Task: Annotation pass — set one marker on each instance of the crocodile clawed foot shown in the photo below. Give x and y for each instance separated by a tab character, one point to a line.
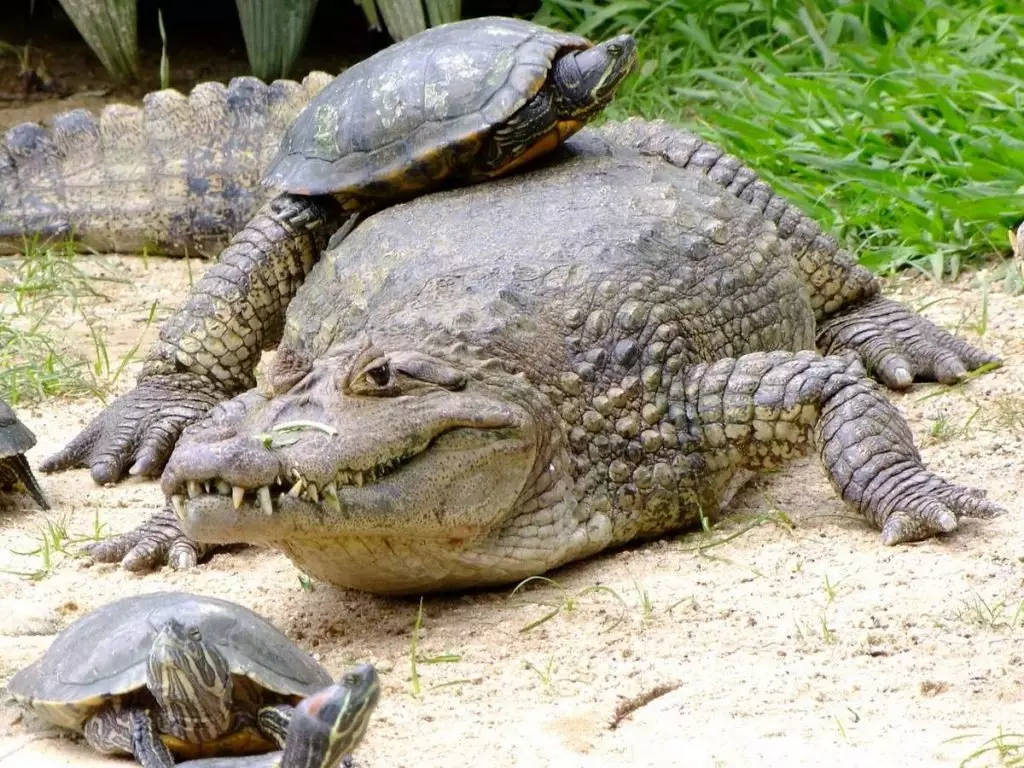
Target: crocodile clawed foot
157	541
935	508
136	433
898	346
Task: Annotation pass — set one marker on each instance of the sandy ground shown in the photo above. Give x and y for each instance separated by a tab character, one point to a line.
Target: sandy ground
797	641
791	637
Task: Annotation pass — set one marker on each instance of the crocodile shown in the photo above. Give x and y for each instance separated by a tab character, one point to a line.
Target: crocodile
482	384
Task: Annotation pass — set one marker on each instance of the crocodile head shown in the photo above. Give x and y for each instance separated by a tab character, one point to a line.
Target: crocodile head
377	470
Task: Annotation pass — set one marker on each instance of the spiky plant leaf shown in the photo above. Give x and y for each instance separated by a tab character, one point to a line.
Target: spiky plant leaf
110	29
274	32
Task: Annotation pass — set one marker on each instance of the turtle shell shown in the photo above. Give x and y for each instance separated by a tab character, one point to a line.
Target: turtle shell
411	114
103	654
15	437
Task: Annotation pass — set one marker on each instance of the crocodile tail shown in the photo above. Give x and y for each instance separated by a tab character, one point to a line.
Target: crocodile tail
178	175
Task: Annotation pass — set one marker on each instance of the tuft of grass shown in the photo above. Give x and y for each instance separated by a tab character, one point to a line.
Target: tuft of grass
897	124
567	602
43	294
55	544
1006	749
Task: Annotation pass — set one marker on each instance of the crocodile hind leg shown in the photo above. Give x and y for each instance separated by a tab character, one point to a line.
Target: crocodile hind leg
114	730
757	410
896	345
209	348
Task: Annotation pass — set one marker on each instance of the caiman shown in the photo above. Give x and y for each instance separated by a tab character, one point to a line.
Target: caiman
483	383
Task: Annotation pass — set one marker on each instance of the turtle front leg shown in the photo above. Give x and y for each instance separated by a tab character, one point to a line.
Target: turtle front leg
114	730
273	722
755	411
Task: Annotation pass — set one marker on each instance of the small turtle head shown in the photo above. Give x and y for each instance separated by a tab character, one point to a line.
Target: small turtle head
599	71
329	725
191	681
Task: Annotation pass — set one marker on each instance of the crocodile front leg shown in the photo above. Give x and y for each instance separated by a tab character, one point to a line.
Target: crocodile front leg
755	411
209	348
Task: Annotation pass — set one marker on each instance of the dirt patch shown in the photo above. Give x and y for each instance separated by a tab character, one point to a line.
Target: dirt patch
794	637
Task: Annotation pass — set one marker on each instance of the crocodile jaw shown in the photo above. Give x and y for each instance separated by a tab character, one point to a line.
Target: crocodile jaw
431	474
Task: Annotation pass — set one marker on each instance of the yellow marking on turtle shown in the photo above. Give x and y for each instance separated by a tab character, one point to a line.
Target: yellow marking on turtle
546	143
246	741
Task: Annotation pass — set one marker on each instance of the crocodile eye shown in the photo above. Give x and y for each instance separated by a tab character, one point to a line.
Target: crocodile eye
380	375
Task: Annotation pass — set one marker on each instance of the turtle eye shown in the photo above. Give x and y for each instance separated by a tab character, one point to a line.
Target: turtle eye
615	49
195	634
349	680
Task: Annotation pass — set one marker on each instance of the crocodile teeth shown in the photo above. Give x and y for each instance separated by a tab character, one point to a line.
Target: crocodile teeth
330	494
312	494
194	489
265	503
237	495
223	487
178	502
296	490
358	477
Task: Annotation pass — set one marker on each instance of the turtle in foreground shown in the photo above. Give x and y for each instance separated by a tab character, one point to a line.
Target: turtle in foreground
459	102
324	728
15	440
171	675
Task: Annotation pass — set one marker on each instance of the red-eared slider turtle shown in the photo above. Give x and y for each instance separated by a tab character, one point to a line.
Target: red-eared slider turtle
324	728
469	100
15	439
168	674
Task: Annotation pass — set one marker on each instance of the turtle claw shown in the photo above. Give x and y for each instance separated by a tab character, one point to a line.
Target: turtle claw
156	542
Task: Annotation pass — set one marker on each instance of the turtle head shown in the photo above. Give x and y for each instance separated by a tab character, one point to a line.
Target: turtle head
191	681
587	80
330	724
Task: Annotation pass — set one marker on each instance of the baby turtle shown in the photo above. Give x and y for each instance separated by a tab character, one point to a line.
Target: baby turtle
171	674
15	439
325	727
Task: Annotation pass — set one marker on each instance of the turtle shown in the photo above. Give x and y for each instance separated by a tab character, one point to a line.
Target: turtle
468	101
324	729
171	675
15	440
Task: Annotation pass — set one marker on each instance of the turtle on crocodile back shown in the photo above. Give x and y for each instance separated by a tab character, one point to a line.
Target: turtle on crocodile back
469	100
170	674
503	378
324	729
15	440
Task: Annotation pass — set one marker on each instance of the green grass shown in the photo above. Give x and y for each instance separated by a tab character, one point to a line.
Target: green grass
44	295
898	124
